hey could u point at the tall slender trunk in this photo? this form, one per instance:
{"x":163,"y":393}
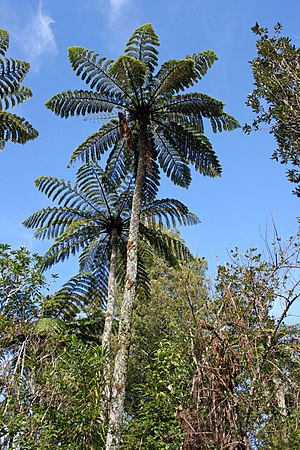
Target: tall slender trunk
{"x":109,"y":316}
{"x":124,"y":334}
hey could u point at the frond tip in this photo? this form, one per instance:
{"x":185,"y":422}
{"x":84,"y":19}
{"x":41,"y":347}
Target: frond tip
{"x":142,"y":45}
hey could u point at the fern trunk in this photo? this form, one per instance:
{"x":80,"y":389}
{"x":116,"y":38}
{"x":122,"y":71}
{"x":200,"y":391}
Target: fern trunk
{"x":124,"y":334}
{"x":109,"y":315}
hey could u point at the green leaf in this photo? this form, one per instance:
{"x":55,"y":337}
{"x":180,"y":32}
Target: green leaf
{"x":142,"y":45}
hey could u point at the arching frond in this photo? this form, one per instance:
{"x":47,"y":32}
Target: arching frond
{"x":69,"y":243}
{"x":170,"y":159}
{"x":91,"y":183}
{"x":96,"y":254}
{"x":173,"y":76}
{"x":12,"y":72}
{"x":203,"y":62}
{"x":152,"y":178}
{"x":194,"y":146}
{"x":130,"y":74}
{"x":165,"y":244}
{"x":16,"y":129}
{"x":62,"y":192}
{"x":169,"y":212}
{"x":4,"y":42}
{"x":142,"y":45}
{"x":94,"y":70}
{"x":49,"y":326}
{"x":15,"y":97}
{"x":190,"y":109}
{"x":118,"y":162}
{"x":74,"y":294}
{"x":93,"y":147}
{"x":72,"y":103}
{"x":52,"y":222}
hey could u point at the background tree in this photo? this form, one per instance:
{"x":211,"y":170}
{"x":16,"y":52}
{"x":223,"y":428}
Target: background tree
{"x":237,"y":382}
{"x":275,"y":98}
{"x":12,"y":72}
{"x":155,"y":125}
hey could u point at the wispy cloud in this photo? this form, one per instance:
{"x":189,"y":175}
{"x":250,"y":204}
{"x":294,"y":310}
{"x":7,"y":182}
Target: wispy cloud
{"x":116,"y":7}
{"x":38,"y":37}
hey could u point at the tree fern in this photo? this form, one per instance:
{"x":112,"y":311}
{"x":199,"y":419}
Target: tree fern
{"x":12,"y":93}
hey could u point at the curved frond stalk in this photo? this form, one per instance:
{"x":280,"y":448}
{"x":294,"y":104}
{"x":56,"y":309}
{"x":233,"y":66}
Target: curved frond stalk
{"x":52,"y":222}
{"x":142,"y":45}
{"x":16,"y":129}
{"x":4,"y":42}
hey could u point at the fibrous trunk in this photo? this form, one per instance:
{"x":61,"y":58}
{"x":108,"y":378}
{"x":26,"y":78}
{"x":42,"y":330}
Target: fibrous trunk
{"x":124,"y":334}
{"x":109,"y":316}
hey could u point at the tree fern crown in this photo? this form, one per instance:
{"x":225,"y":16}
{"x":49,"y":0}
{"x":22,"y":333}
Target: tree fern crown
{"x":130,"y":95}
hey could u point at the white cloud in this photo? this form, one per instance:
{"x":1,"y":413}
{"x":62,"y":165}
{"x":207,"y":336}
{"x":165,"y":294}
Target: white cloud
{"x":38,"y":38}
{"x":116,"y":7}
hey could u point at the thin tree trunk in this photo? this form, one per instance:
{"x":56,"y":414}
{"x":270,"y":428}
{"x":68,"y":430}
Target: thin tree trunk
{"x":109,"y":316}
{"x":124,"y":334}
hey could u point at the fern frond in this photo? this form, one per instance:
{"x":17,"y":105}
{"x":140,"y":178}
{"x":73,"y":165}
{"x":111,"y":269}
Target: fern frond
{"x":94,"y":70}
{"x":72,"y":103}
{"x":16,"y":129}
{"x":51,"y":222}
{"x":15,"y":97}
{"x":169,"y":212}
{"x":130,"y":74}
{"x":173,"y":76}
{"x":226,"y":123}
{"x":203,"y":62}
{"x":12,"y":72}
{"x":170,"y":159}
{"x":95,"y":254}
{"x":194,"y":146}
{"x":73,"y":295}
{"x":67,"y":244}
{"x":96,"y":144}
{"x":90,"y":181}
{"x":49,"y":326}
{"x":4,"y":42}
{"x":165,"y":245}
{"x":142,"y":45}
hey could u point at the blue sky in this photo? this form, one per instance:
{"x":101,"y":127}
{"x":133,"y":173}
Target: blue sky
{"x":234,"y":210}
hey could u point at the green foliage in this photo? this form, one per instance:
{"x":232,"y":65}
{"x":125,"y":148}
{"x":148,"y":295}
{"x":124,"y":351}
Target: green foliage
{"x":12,"y":72}
{"x":129,"y":88}
{"x":21,"y":283}
{"x":51,"y":371}
{"x":87,"y":214}
{"x":162,"y":397}
{"x":275,"y":98}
